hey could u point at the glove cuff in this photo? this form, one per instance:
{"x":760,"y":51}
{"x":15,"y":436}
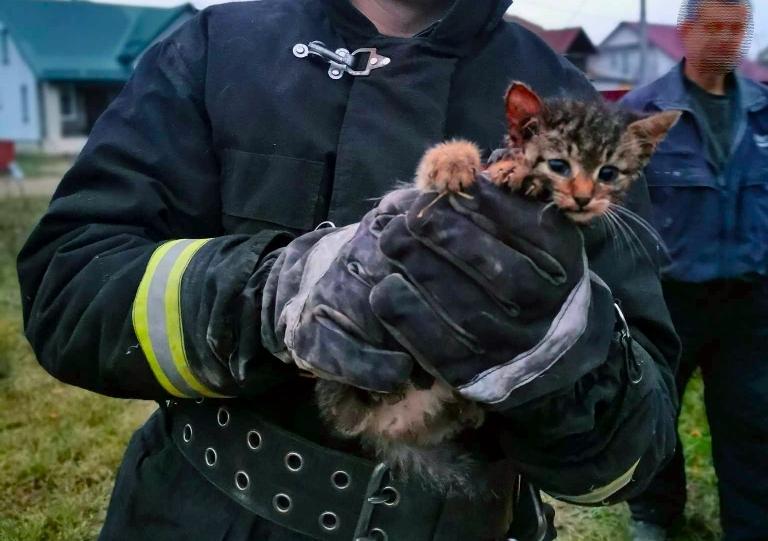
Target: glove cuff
{"x":585,"y":321}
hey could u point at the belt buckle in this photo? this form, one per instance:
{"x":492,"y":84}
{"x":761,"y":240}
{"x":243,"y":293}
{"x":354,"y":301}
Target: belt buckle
{"x":372,"y":499}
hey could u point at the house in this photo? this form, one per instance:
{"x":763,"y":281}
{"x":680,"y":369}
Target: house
{"x":573,"y":43}
{"x":62,"y":62}
{"x":762,"y":57}
{"x":618,"y":63}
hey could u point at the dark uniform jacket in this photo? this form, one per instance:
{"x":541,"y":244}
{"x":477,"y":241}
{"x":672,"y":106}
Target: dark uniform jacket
{"x":224,"y":133}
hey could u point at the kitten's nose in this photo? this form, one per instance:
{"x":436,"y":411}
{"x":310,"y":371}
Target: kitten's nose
{"x":582,"y":201}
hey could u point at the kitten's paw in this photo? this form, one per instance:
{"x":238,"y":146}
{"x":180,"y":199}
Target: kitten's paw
{"x":502,"y":171}
{"x":510,"y":172}
{"x":449,"y":166}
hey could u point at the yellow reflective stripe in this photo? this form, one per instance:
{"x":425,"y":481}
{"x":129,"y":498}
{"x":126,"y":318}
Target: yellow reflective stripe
{"x":603,"y":493}
{"x":173,"y":319}
{"x":140,"y":319}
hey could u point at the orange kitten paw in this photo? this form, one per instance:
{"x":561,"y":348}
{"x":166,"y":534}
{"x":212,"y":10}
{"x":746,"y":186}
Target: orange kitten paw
{"x":509,"y":171}
{"x":449,"y":166}
{"x":501,"y":171}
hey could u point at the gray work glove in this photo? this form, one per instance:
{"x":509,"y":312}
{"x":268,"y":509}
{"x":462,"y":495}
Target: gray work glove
{"x":493,"y":295}
{"x":315,"y":310}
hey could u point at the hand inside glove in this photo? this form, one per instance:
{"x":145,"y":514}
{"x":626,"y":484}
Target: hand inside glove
{"x":315,"y":309}
{"x":490,"y":291}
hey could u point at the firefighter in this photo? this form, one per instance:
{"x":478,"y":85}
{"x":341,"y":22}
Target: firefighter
{"x":183,"y":259}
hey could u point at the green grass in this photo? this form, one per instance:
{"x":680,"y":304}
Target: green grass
{"x":37,"y":165}
{"x":701,"y":520}
{"x":60,"y":446}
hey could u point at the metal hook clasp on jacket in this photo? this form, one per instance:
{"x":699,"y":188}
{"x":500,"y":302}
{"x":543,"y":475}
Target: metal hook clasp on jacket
{"x":341,"y":60}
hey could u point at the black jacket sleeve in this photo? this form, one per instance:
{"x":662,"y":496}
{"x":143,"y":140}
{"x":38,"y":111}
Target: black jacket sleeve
{"x":148,"y":175}
{"x":601,"y":440}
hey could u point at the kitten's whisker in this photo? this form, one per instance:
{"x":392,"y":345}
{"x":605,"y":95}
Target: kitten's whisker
{"x":610,"y":230}
{"x":637,"y":239}
{"x":644,"y":224}
{"x":639,"y":219}
{"x":435,"y":200}
{"x":616,"y":237}
{"x":545,"y":209}
{"x":623,"y":237}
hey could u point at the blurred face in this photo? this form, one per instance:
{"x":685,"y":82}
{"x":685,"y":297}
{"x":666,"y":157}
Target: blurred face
{"x":714,"y":41}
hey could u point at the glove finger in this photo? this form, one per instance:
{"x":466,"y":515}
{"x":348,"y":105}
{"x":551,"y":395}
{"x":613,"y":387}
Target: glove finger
{"x":398,"y":201}
{"x":393,"y":204}
{"x":545,"y":236}
{"x":336,"y":349}
{"x":437,"y":343}
{"x":464,"y":267}
{"x":411,"y":319}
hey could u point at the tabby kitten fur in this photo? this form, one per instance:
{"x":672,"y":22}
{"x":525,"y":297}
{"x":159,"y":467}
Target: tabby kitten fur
{"x":582,"y":159}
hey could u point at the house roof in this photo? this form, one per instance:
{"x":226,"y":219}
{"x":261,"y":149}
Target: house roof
{"x":79,"y":40}
{"x":666,"y":38}
{"x":563,"y":40}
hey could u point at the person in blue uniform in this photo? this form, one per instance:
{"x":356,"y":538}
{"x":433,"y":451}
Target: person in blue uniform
{"x":709,"y":191}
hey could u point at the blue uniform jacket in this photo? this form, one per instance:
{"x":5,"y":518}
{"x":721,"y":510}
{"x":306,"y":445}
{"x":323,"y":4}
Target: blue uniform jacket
{"x":713,"y":221}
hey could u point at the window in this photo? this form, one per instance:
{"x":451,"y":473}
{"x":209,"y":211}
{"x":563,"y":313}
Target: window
{"x":5,"y":47}
{"x":624,"y":62}
{"x":68,"y":102}
{"x":24,"y":104}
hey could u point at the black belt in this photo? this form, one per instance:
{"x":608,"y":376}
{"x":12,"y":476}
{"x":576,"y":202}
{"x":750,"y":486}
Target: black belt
{"x":321,"y":492}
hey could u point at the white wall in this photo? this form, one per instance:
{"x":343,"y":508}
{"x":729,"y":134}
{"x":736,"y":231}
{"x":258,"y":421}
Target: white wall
{"x":619,"y":58}
{"x":14,"y":124}
{"x":625,"y":36}
{"x":55,"y":142}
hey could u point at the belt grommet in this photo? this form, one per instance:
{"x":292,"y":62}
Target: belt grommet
{"x":394,"y":496}
{"x":282,"y":503}
{"x":222,"y":417}
{"x":380,"y":534}
{"x":340,"y":479}
{"x":186,"y":434}
{"x":329,"y":521}
{"x":253,"y":440}
{"x":242,"y":481}
{"x":294,"y":461}
{"x":211,"y":457}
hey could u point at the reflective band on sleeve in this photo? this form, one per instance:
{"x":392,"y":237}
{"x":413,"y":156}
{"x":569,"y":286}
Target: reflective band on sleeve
{"x":602,"y":493}
{"x":157,"y":318}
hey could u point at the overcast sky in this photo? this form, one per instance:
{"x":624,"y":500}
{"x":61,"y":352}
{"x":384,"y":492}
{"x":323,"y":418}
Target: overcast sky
{"x":598,"y":17}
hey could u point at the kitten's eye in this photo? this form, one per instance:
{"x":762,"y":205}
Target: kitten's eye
{"x":560,"y":167}
{"x":608,"y":173}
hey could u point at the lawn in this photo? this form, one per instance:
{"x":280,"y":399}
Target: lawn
{"x":36,"y":165}
{"x":60,"y":446}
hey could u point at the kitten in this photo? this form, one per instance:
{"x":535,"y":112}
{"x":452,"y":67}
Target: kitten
{"x":582,"y":159}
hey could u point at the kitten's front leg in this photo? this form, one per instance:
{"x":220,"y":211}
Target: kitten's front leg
{"x":512,"y":170}
{"x":448,"y":167}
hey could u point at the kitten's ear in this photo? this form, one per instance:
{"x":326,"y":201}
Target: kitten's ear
{"x":523,"y":110}
{"x":652,"y":129}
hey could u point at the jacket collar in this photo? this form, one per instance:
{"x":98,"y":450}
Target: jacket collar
{"x":453,"y":34}
{"x":672,"y":94}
